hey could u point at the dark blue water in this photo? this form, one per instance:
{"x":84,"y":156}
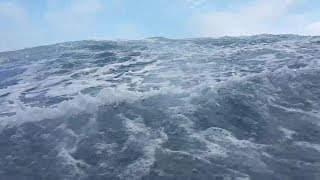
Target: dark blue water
{"x":233,"y":108}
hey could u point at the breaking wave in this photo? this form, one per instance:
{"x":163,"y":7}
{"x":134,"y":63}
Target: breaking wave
{"x":226,"y":109}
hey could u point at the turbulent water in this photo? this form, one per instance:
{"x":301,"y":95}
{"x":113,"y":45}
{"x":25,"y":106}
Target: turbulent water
{"x":245,"y":108}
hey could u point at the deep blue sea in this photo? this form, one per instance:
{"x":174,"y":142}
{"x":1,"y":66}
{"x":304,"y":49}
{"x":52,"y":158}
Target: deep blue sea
{"x":231,"y":108}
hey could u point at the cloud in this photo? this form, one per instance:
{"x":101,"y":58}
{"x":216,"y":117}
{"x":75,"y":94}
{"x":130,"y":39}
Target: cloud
{"x":76,"y":18}
{"x":260,"y":16}
{"x":313,"y":28}
{"x":66,"y":20}
{"x":62,"y":21}
{"x":195,"y":3}
{"x":16,"y":29}
{"x":128,"y":31}
{"x":12,"y":12}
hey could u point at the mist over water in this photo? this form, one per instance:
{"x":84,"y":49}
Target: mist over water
{"x":233,"y":108}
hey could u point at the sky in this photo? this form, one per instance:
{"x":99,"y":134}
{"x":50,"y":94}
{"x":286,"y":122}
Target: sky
{"x":28,"y":23}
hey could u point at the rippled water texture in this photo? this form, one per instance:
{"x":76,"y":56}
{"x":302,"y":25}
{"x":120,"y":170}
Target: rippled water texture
{"x":242,"y":108}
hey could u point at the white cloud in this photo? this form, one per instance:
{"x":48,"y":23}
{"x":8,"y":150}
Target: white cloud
{"x":127,"y":31}
{"x":78,"y":17}
{"x":12,"y":12}
{"x":261,"y":16}
{"x":63,"y":21}
{"x":313,"y":28}
{"x":16,"y":29}
{"x":195,"y":3}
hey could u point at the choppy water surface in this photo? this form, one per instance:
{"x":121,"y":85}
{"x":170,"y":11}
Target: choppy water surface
{"x":244,"y":108}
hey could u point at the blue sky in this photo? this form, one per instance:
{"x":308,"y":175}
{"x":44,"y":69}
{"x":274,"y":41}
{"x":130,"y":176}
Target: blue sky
{"x":26,"y":23}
